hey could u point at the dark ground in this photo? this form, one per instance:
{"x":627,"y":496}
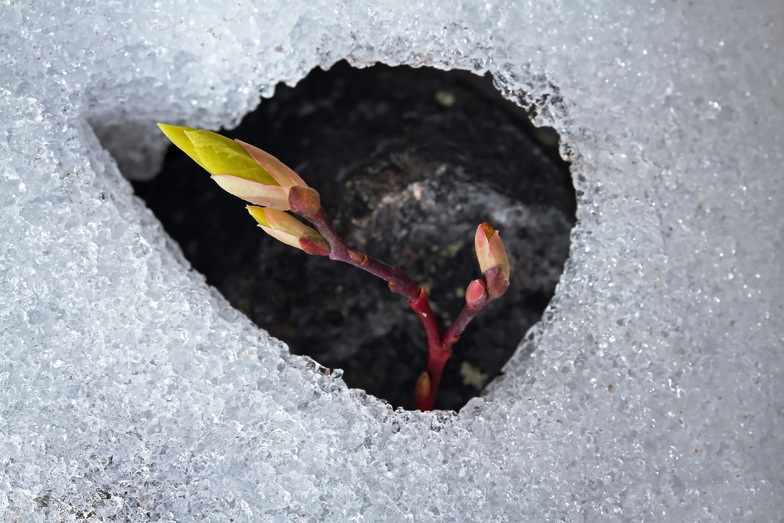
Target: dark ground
{"x":408,"y":162}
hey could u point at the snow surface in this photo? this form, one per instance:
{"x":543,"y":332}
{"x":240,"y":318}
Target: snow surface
{"x":131,"y":391}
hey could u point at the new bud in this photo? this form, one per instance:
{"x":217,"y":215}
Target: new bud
{"x":240,"y":169}
{"x":358,"y":257}
{"x":476,"y":294}
{"x":287,"y":229}
{"x":304,"y":200}
{"x":493,"y":260}
{"x":422,"y":387}
{"x":315,"y":244}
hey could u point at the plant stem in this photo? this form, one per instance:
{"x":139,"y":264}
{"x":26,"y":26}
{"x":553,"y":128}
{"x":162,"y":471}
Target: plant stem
{"x":459,"y":325}
{"x":421,"y":306}
{"x":439,"y":349}
{"x":439,"y":353}
{"x":398,"y":280}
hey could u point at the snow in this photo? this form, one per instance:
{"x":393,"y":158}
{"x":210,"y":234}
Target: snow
{"x":131,"y":390}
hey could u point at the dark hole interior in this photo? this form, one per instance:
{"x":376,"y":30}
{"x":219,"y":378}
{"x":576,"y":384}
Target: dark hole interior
{"x":408,"y":162}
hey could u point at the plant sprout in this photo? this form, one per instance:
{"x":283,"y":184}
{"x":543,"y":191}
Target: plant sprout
{"x":275,"y":190}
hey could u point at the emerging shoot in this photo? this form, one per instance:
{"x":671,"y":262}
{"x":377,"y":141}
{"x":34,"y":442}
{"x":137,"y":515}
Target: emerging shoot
{"x":289,"y":230}
{"x":273,"y":188}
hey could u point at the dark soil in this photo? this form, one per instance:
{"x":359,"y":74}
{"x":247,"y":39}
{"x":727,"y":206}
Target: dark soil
{"x":408,"y":162}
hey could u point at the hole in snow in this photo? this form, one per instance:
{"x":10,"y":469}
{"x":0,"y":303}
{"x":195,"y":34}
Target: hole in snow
{"x":408,"y":163}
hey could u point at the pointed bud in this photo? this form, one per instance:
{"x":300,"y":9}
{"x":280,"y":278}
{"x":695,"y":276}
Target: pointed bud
{"x":304,"y":200}
{"x":217,"y":154}
{"x":280,"y":171}
{"x":422,"y":387}
{"x":287,"y":229}
{"x":490,"y":250}
{"x":239,"y":168}
{"x":476,"y":294}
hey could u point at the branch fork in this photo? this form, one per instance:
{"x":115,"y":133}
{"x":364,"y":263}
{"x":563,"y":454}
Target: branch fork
{"x":264,"y":181}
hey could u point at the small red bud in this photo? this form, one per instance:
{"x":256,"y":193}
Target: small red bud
{"x":358,"y":257}
{"x":304,"y":200}
{"x":476,"y":294}
{"x":315,"y":244}
{"x":422,"y":387}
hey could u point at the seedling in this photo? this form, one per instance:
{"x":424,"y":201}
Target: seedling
{"x":275,"y":190}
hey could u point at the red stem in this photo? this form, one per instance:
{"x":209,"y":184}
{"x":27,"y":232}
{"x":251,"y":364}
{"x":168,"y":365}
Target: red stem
{"x":439,"y":350}
{"x":457,"y":328}
{"x":437,"y":353}
{"x":421,"y":306}
{"x":398,"y":280}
